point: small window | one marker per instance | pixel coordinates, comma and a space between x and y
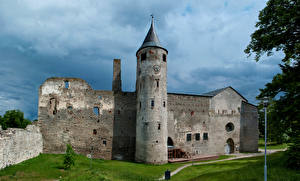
157, 83
143, 56
158, 126
205, 136
67, 84
96, 111
164, 103
104, 142
229, 127
189, 137
99, 97
192, 113
94, 131
152, 104
140, 105
119, 112
70, 108
164, 57
197, 136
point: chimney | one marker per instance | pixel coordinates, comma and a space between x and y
117, 83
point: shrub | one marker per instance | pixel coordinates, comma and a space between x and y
69, 158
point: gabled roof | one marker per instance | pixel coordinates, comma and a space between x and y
217, 91
151, 39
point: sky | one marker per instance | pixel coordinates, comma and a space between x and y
80, 38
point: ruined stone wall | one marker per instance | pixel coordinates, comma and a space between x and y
249, 128
124, 126
188, 114
71, 112
17, 145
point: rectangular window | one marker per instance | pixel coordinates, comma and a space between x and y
140, 105
197, 136
152, 104
205, 136
96, 111
67, 84
164, 57
158, 126
188, 137
157, 83
164, 103
143, 56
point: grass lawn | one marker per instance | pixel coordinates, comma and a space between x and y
271, 145
248, 169
49, 167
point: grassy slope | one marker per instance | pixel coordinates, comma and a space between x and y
243, 170
272, 145
49, 167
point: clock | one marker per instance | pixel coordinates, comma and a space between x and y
156, 68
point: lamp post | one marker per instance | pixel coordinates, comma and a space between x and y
265, 103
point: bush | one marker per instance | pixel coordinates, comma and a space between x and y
14, 119
293, 155
69, 158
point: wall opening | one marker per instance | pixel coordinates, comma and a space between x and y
94, 131
158, 126
189, 137
67, 83
229, 147
53, 103
96, 111
143, 56
99, 97
164, 103
229, 127
205, 136
197, 136
157, 83
140, 105
104, 142
170, 143
192, 113
152, 104
164, 57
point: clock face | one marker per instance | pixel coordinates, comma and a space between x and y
156, 68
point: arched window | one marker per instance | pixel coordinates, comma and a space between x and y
170, 143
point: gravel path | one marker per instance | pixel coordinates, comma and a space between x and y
237, 156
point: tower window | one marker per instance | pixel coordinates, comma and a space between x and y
188, 137
104, 142
164, 57
158, 126
143, 56
152, 104
140, 105
100, 97
96, 111
205, 136
197, 136
94, 131
157, 83
164, 103
67, 84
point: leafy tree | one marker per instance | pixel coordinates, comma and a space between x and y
278, 29
69, 158
14, 119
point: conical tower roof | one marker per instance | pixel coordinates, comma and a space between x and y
151, 39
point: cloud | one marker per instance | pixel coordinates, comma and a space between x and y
205, 40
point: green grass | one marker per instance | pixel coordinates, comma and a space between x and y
248, 169
50, 167
271, 145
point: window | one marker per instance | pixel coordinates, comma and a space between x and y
100, 97
143, 56
164, 103
119, 112
96, 111
53, 103
164, 57
157, 83
104, 142
197, 136
189, 137
67, 84
152, 104
158, 126
70, 108
205, 136
229, 127
94, 131
140, 105
192, 113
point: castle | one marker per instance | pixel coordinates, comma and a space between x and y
144, 124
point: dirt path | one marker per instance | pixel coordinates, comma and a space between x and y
237, 156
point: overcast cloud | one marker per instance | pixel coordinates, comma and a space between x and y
80, 38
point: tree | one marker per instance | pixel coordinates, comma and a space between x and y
69, 158
278, 29
14, 119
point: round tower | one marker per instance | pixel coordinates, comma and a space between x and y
151, 89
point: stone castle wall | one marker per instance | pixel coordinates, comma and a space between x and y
17, 145
71, 112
